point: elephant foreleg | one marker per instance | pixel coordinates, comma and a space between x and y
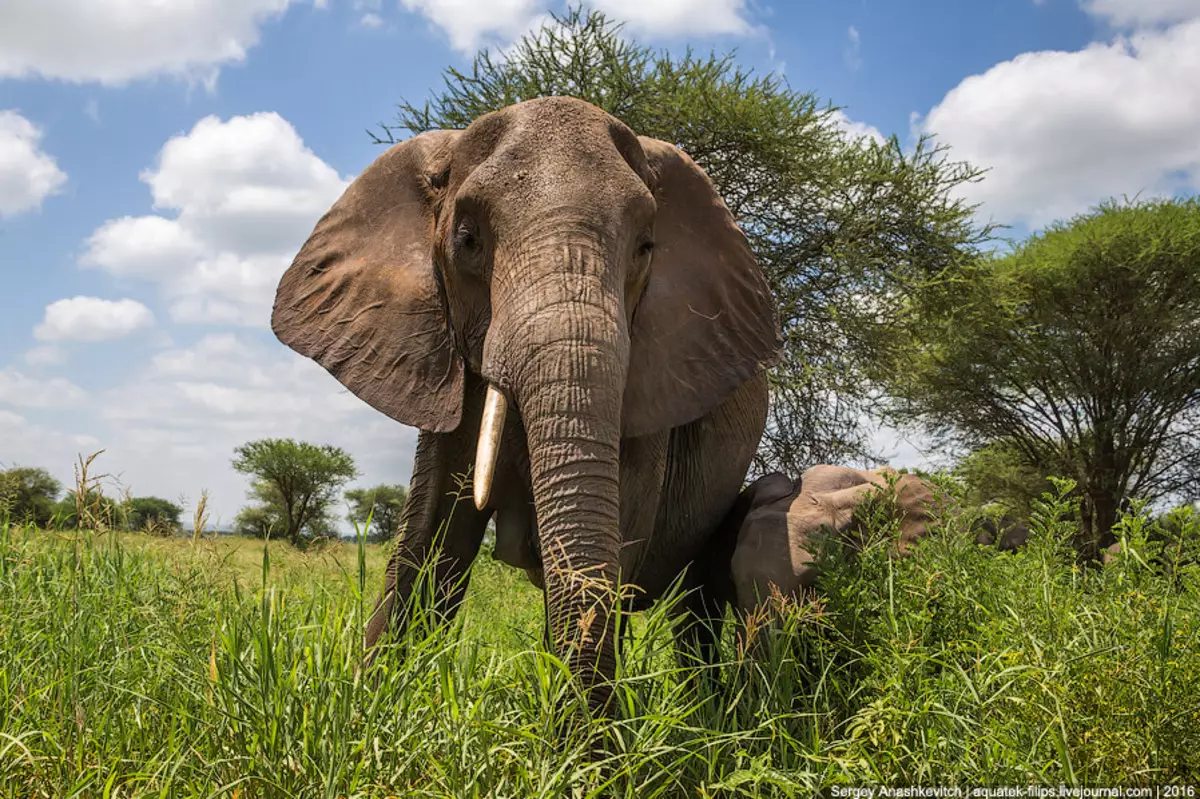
439, 536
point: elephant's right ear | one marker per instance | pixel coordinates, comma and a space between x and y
361, 297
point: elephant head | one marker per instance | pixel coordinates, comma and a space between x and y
778, 524
592, 278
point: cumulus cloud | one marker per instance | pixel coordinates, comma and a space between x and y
1061, 131
115, 41
171, 428
44, 355
27, 174
22, 391
1139, 13
856, 129
194, 404
92, 319
680, 17
470, 24
27, 443
246, 193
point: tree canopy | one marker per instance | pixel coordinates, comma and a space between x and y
1079, 351
99, 510
28, 495
153, 513
383, 503
295, 483
840, 223
998, 474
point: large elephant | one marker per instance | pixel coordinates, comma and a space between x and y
570, 315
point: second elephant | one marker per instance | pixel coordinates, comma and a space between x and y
775, 525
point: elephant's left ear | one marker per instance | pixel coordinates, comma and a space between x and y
707, 322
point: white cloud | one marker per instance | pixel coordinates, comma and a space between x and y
853, 52
904, 449
92, 319
855, 129
141, 246
115, 41
27, 174
1062, 131
22, 391
44, 355
193, 405
369, 11
27, 443
469, 23
171, 428
679, 17
1139, 13
246, 193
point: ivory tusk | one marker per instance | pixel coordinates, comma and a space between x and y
488, 450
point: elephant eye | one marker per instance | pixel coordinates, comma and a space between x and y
466, 235
645, 248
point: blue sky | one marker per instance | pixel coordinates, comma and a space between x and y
158, 168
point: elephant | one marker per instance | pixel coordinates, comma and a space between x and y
1006, 534
572, 318
776, 521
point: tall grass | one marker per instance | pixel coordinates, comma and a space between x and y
132, 670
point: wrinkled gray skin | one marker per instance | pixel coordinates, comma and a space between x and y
777, 536
594, 278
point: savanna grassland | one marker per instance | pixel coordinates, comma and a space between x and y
137, 666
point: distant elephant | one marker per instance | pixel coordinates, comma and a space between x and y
1005, 534
776, 524
572, 317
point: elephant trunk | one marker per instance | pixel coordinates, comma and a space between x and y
561, 345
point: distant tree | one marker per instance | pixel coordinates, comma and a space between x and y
259, 521
840, 223
384, 503
99, 511
299, 478
1080, 351
153, 512
267, 517
28, 495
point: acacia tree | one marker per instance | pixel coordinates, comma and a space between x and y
28, 495
266, 516
1000, 474
153, 512
299, 478
1079, 351
840, 224
383, 503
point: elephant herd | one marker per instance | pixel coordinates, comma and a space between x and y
570, 315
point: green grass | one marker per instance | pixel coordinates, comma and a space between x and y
133, 666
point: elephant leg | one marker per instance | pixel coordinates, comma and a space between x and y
440, 529
706, 468
698, 626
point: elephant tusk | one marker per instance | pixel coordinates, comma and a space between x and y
494, 409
